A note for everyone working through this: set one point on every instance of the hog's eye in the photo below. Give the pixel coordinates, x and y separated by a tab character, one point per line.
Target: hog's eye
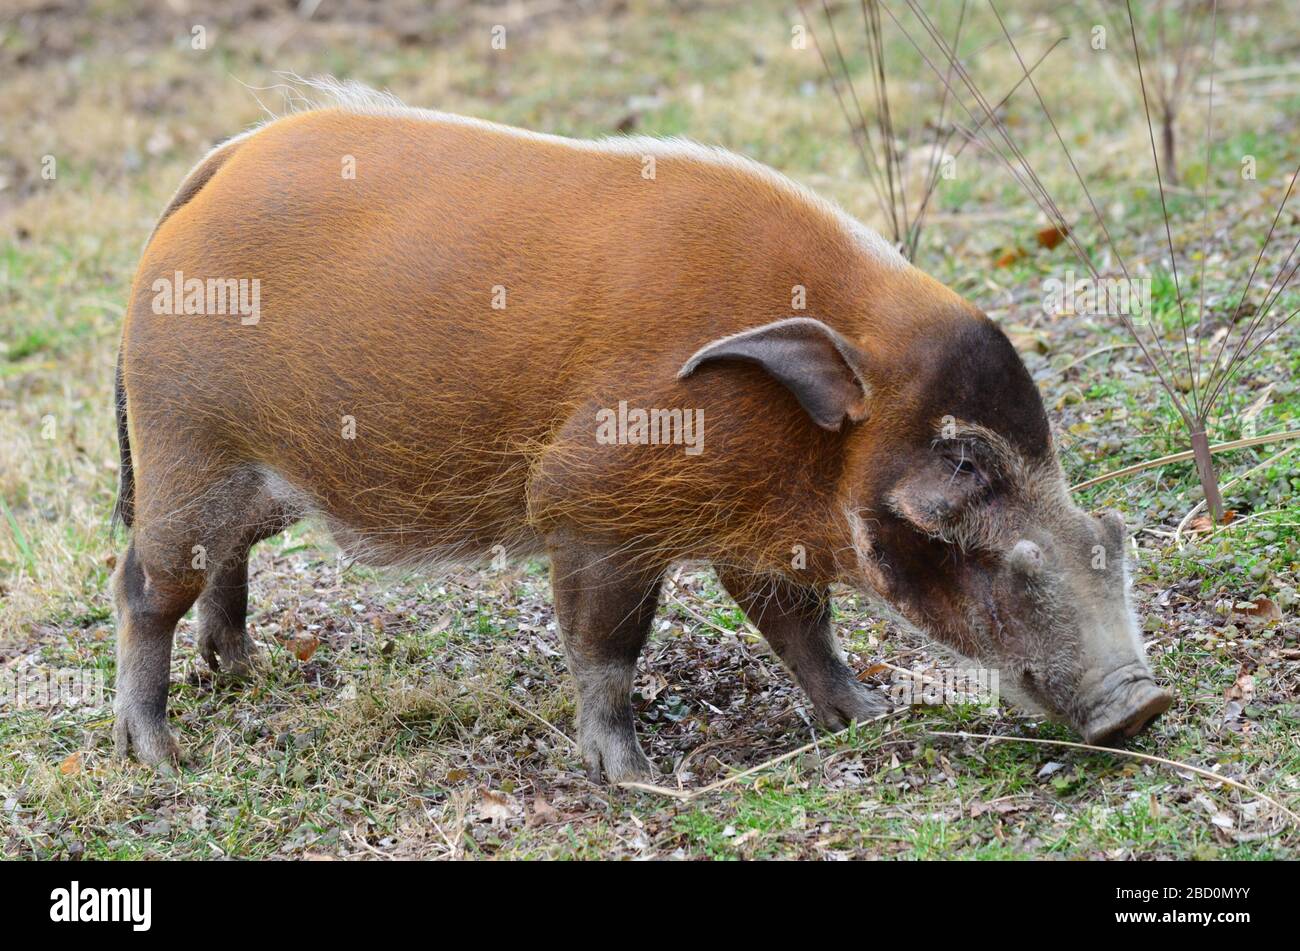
963	466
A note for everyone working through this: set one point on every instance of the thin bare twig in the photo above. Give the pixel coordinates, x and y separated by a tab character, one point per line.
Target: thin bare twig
687	795
885	171
1029	180
1147	757
1185	456
1088	356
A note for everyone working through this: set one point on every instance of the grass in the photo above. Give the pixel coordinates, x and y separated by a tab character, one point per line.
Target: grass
433	716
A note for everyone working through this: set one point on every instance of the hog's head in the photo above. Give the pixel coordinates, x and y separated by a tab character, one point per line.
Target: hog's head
960	512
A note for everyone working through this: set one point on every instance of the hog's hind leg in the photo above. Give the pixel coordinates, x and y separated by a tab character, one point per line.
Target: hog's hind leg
190	542
796	622
605	605
151	598
223	609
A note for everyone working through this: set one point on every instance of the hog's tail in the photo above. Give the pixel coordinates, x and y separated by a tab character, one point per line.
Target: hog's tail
124	507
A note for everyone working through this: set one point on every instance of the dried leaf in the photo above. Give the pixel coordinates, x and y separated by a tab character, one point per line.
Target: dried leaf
1009	258
1260	611
1232	715
1051	237
1029	341
543	812
649	687
1243	688
497	807
72	765
1257	407
999	807
1203	522
304	645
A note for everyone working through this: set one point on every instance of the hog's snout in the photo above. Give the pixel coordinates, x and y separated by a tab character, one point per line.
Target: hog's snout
1126	701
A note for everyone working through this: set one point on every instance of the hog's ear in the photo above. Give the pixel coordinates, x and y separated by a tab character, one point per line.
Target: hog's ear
823	369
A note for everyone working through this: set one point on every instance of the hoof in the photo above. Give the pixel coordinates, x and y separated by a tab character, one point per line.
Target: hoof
148	737
227	651
851	701
616	758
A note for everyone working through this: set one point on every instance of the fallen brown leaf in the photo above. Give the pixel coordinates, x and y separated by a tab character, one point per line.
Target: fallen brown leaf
1027	340
543	812
872	671
1260	611
1243	688
1000	808
1051	237
1009	258
497	807
1203	523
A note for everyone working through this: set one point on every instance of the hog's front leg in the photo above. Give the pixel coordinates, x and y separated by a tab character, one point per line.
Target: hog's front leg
796	622
605	603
